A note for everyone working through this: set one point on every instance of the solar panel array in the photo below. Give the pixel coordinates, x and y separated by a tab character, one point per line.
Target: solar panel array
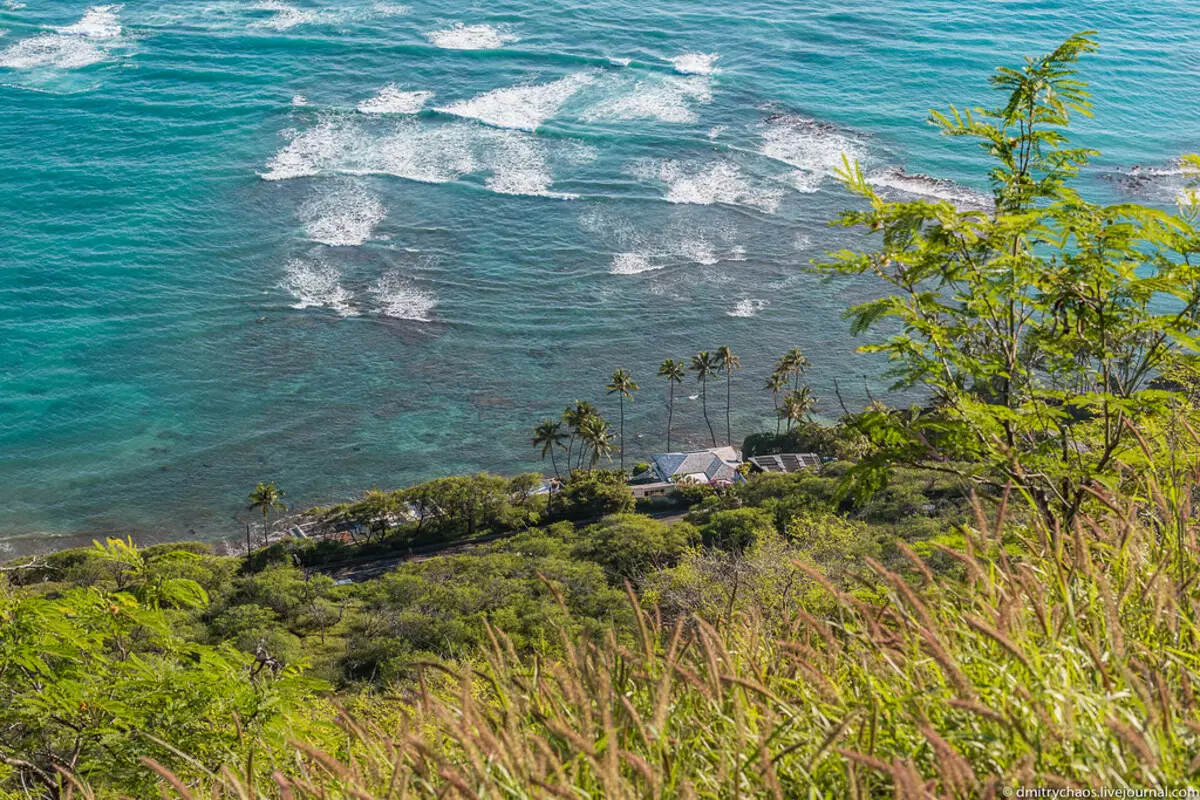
786	462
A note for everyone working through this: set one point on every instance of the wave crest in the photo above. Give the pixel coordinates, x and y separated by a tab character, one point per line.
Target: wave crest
400	299
470	37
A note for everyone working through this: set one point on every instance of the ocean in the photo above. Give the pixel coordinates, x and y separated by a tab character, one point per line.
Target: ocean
345	244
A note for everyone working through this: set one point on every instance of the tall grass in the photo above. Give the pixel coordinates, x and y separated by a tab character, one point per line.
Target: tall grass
1060	658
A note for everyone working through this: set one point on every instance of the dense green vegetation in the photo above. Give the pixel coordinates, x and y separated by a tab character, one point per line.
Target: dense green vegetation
995	590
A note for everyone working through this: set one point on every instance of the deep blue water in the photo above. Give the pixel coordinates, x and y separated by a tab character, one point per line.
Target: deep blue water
339	244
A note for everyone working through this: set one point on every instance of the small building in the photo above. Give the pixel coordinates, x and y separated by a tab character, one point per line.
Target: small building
649	491
786	462
714	465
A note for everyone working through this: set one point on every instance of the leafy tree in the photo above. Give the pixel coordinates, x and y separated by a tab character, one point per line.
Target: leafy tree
91	681
595	494
621	384
266	498
548	435
673	371
1036	324
705	366
629	545
737	529
729	362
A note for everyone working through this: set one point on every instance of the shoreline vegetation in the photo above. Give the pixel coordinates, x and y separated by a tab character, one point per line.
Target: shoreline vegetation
994	591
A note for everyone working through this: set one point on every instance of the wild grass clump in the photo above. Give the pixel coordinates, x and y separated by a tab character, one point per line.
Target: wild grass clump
1065	658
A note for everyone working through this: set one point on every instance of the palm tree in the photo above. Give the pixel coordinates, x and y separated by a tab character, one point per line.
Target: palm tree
596	434
622	386
266	497
548	435
574	419
775	384
796	405
793	363
729	363
705	366
672	370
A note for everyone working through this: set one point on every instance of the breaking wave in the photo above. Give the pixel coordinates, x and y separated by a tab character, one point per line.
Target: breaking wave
470	37
509	161
816	149
707	184
342	216
391	99
284	17
73	46
747	307
896	180
696	63
666	98
317	285
520	107
399	299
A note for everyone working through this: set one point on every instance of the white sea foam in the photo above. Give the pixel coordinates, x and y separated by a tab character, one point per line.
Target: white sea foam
511	162
815	148
696	63
80	44
521	107
471	37
747	307
666	98
399	299
619	62
391	9
707	184
53	51
98	22
13	5
633	264
285	16
342	215
699	250
299	100
310	152
518	165
391	99
894	180
317	285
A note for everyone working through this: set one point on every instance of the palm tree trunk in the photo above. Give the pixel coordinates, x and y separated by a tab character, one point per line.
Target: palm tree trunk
570	444
622	433
704	405
775	402
670	413
728	388
554	463
266	530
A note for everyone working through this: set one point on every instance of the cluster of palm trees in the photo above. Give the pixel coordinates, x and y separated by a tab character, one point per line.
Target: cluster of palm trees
798	400
582	432
585	435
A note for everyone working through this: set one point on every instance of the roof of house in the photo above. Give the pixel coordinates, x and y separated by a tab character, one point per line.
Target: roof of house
786	462
717	463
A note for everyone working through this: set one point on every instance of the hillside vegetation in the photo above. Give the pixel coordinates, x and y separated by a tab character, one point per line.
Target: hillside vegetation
994	590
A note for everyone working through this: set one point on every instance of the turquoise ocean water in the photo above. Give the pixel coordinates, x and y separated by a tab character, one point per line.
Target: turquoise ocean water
344	243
